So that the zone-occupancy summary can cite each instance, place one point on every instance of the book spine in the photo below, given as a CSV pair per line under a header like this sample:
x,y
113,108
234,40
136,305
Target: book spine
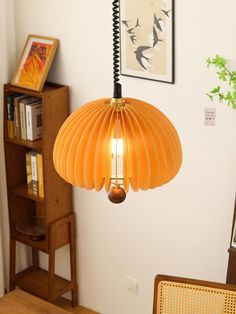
x,y
10,117
33,121
29,172
34,173
40,175
29,127
17,119
22,121
37,122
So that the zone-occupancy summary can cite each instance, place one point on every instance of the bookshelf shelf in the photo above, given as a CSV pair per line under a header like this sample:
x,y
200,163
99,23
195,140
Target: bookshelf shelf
x,y
30,144
47,88
55,207
37,280
38,245
22,190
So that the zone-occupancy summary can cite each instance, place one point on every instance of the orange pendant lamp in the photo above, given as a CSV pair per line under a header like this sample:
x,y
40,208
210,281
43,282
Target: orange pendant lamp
x,y
117,142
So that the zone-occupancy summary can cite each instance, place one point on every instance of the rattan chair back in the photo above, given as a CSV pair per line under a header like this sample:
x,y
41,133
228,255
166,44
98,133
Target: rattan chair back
x,y
174,295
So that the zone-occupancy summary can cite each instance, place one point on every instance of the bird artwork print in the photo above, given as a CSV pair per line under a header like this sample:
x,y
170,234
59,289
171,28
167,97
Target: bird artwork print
x,y
133,38
137,23
131,31
166,12
157,22
125,22
140,56
146,31
155,37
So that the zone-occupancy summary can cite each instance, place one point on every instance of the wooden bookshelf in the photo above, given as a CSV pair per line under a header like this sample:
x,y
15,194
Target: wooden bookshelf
x,y
55,207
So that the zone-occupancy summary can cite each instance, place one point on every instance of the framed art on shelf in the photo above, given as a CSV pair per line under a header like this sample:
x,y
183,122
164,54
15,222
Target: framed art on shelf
x,y
147,39
35,61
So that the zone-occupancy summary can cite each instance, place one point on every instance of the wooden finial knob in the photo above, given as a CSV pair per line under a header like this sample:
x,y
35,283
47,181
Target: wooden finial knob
x,y
117,195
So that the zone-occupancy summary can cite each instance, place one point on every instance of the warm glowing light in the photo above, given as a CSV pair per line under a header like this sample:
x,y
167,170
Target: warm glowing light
x,y
148,145
117,147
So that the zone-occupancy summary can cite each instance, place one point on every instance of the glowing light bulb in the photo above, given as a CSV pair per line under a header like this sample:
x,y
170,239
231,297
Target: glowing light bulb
x,y
117,147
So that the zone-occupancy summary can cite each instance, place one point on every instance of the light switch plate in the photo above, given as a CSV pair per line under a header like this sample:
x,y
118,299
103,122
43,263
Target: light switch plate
x,y
210,116
132,284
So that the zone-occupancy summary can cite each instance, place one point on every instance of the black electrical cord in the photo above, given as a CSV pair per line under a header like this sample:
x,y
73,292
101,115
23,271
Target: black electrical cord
x,y
117,93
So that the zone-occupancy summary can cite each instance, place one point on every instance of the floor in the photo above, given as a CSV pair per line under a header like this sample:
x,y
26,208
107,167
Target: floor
x,y
77,310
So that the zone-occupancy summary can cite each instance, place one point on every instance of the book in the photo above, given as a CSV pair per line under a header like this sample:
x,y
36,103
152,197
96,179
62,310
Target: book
x,y
22,105
29,172
10,115
33,120
34,170
40,174
16,102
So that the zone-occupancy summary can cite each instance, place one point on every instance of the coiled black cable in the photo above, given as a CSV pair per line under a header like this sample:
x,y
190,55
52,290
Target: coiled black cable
x,y
116,49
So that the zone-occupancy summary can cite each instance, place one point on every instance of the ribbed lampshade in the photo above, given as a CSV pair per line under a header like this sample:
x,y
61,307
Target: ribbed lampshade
x,y
152,153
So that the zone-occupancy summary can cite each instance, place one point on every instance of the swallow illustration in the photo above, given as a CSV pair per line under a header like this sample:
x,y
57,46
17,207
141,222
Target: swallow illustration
x,y
137,23
155,37
166,12
157,22
131,30
125,22
133,38
140,56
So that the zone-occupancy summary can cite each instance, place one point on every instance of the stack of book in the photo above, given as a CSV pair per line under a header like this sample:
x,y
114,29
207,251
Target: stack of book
x,y
34,172
24,117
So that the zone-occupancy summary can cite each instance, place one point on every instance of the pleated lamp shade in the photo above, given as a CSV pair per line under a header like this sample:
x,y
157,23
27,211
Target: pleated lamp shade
x,y
151,151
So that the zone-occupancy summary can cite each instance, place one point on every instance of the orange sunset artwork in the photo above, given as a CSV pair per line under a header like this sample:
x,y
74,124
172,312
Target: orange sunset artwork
x,y
33,68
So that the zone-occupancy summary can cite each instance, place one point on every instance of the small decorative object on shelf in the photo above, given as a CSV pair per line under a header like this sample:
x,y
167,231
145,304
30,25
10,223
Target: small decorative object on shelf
x,y
40,202
32,226
35,62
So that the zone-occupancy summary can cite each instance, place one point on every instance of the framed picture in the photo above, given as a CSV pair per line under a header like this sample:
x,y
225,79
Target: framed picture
x,y
147,39
35,61
233,243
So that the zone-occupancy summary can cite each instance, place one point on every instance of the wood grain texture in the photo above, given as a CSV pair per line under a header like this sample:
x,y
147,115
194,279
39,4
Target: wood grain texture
x,y
64,303
20,302
58,193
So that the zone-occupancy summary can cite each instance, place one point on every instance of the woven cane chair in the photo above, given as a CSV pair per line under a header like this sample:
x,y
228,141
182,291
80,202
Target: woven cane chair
x,y
173,295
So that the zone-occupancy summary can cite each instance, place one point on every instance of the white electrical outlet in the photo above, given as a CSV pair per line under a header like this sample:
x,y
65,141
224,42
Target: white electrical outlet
x,y
132,284
210,116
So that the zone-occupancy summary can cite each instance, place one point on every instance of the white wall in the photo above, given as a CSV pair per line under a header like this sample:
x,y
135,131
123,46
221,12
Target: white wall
x,y
182,228
7,60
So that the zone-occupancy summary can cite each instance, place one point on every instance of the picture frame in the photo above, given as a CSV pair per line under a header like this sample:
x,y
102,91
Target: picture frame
x,y
233,241
34,62
147,39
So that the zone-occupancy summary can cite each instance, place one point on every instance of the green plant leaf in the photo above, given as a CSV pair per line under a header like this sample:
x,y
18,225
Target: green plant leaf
x,y
210,96
215,90
221,97
226,75
219,61
222,75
